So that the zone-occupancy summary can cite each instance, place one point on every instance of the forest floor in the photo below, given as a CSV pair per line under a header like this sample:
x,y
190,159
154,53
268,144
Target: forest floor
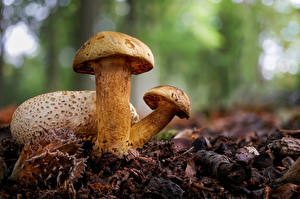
x,y
238,153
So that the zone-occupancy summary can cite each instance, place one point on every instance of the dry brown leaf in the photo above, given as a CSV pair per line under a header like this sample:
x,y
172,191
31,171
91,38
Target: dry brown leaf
x,y
6,115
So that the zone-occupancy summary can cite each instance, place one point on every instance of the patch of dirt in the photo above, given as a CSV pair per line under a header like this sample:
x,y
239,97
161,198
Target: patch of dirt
x,y
240,155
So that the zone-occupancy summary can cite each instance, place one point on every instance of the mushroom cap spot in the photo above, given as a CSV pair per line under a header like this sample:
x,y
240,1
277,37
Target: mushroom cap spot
x,y
29,119
114,44
170,94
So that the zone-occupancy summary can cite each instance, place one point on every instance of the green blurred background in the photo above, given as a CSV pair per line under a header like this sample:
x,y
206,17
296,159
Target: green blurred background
x,y
220,52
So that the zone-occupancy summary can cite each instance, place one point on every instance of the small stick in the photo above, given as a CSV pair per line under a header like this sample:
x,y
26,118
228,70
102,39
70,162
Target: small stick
x,y
222,167
181,155
267,192
292,131
202,187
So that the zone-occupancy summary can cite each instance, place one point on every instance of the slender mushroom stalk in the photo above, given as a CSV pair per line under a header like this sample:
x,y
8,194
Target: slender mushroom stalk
x,y
73,110
112,57
167,101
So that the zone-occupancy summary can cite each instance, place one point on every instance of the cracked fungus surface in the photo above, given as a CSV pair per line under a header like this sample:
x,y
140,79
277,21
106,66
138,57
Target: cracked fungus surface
x,y
74,110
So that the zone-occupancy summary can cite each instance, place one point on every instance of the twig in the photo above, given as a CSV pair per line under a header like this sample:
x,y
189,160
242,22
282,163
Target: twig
x,y
222,167
202,187
292,131
267,192
181,155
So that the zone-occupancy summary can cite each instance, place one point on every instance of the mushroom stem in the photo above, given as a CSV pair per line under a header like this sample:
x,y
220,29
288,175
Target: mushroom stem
x,y
148,127
112,101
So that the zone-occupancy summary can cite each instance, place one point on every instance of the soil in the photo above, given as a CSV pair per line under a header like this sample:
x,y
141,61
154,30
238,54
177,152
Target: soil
x,y
234,154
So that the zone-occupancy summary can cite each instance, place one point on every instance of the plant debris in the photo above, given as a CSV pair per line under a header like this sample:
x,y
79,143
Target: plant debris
x,y
6,115
234,157
50,161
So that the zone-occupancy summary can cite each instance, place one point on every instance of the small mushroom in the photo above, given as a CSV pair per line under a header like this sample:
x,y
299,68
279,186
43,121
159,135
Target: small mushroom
x,y
74,110
167,101
112,57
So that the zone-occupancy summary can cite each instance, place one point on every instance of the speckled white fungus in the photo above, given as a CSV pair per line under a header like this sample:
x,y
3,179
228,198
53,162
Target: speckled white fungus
x,y
74,110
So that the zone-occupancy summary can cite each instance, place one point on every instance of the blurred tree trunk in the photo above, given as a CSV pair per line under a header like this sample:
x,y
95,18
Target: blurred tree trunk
x,y
1,71
87,15
130,25
143,82
1,59
51,57
130,29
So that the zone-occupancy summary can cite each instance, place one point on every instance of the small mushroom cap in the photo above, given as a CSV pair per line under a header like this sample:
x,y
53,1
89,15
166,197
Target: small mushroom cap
x,y
171,94
114,44
73,110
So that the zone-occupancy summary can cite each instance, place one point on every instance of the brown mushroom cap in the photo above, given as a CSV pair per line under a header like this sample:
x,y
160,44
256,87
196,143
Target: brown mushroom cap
x,y
171,94
114,44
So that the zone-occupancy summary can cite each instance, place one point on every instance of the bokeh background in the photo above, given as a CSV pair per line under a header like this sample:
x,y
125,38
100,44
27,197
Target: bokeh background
x,y
220,52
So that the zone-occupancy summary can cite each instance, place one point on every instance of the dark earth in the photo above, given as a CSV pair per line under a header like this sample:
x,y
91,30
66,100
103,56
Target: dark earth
x,y
230,154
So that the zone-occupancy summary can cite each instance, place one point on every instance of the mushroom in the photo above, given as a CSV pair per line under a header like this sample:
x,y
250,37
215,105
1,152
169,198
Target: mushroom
x,y
112,57
167,101
74,110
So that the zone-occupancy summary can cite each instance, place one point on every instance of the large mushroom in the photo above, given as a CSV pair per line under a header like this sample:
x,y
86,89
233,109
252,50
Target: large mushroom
x,y
112,57
73,110
167,101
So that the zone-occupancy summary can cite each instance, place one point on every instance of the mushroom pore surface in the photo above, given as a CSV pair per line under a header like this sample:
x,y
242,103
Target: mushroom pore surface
x,y
74,110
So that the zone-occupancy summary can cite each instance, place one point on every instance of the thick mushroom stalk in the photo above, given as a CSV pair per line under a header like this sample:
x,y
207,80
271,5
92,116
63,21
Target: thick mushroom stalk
x,y
113,93
167,101
112,57
73,110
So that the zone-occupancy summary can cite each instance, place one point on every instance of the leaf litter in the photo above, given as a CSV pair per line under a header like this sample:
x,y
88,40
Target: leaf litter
x,y
238,154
